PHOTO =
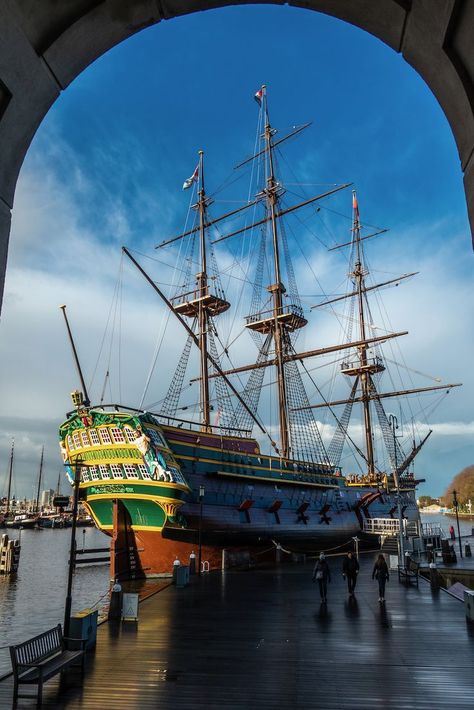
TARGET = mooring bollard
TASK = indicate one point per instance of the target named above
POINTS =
(192, 563)
(115, 606)
(176, 564)
(434, 577)
(278, 553)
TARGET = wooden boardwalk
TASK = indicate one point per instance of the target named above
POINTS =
(261, 639)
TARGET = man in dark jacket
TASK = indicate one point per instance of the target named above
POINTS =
(350, 570)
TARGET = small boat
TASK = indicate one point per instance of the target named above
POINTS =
(84, 521)
(25, 520)
(55, 520)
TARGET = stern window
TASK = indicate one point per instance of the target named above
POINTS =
(116, 470)
(93, 472)
(77, 440)
(104, 471)
(94, 437)
(105, 436)
(130, 434)
(85, 438)
(130, 470)
(117, 435)
(144, 471)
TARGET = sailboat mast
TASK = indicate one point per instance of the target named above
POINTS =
(76, 358)
(10, 473)
(39, 481)
(203, 319)
(276, 289)
(359, 275)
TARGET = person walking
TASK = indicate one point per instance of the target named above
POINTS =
(322, 574)
(350, 570)
(380, 573)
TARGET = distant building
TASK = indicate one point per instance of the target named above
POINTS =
(433, 509)
(47, 498)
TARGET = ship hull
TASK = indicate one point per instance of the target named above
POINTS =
(159, 492)
(139, 551)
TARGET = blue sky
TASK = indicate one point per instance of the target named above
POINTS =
(106, 169)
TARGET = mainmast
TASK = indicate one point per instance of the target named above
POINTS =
(280, 320)
(203, 320)
(276, 289)
(365, 368)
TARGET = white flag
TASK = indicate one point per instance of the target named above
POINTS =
(187, 183)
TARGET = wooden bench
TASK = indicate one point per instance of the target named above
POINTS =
(408, 573)
(41, 658)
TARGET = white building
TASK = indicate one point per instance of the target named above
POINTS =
(47, 498)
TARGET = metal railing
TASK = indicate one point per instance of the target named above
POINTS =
(381, 526)
(432, 530)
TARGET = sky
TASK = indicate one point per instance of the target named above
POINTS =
(106, 168)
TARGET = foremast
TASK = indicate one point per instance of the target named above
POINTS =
(202, 304)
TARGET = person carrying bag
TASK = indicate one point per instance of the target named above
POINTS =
(322, 574)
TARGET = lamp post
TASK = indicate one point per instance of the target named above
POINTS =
(394, 426)
(456, 505)
(72, 549)
(201, 496)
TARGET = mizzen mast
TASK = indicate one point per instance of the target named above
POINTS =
(366, 367)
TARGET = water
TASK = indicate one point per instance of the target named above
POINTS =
(33, 600)
(445, 521)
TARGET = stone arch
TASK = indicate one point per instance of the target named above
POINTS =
(46, 45)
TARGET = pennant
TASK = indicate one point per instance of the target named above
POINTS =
(187, 183)
(355, 205)
(258, 96)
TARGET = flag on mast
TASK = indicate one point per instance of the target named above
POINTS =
(187, 183)
(355, 206)
(258, 96)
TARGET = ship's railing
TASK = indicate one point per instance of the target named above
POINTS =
(432, 530)
(371, 362)
(290, 309)
(382, 526)
(190, 295)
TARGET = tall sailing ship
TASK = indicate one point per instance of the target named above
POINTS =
(160, 484)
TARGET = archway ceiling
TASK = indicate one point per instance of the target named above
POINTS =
(46, 44)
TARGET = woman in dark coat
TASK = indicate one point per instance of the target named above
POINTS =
(380, 573)
(322, 574)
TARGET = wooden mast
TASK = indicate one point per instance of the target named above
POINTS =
(359, 274)
(10, 474)
(39, 481)
(203, 314)
(276, 289)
